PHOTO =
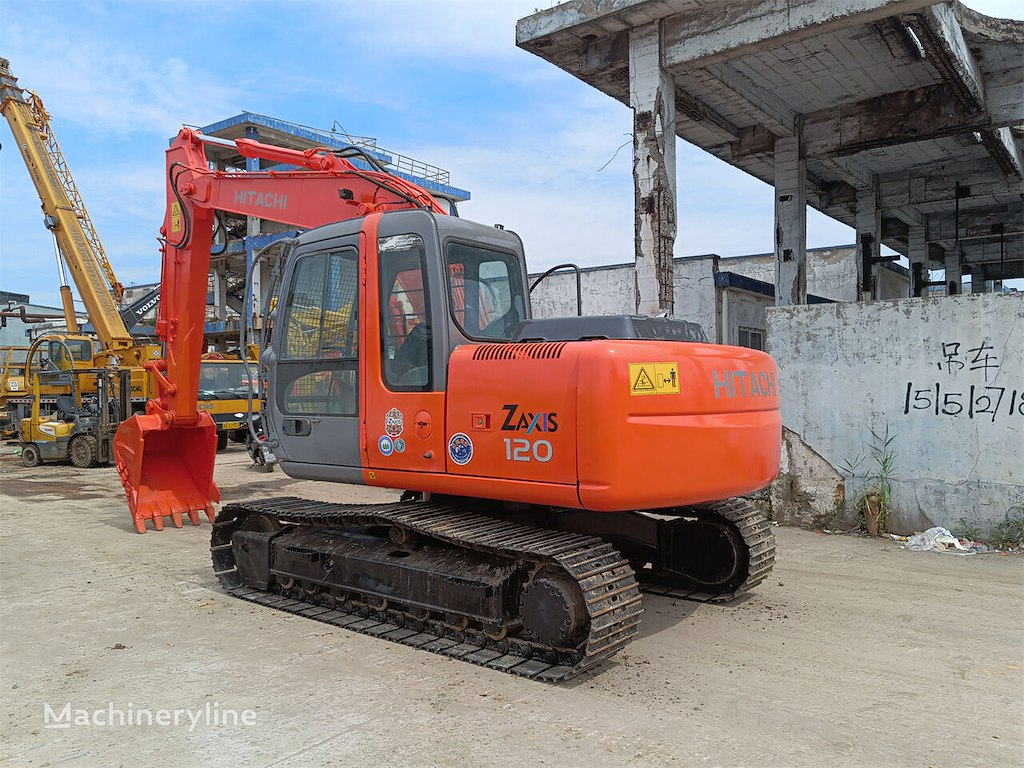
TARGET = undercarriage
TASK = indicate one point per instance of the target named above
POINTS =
(547, 601)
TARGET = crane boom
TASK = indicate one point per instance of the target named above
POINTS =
(64, 211)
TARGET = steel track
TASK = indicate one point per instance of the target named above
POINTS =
(611, 593)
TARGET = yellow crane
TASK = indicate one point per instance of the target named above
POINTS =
(79, 246)
(65, 215)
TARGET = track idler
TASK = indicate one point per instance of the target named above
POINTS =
(167, 469)
(711, 551)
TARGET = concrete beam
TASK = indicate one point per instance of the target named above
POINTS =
(699, 112)
(896, 118)
(790, 223)
(570, 14)
(754, 140)
(939, 32)
(776, 116)
(974, 223)
(603, 56)
(1004, 151)
(926, 188)
(724, 30)
(652, 97)
(770, 110)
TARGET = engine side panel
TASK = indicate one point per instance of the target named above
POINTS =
(512, 412)
(664, 424)
(634, 424)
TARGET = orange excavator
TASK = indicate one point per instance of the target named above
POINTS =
(554, 468)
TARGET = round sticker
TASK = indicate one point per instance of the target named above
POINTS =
(460, 448)
(394, 422)
(400, 445)
(385, 445)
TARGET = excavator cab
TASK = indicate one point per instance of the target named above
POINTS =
(342, 349)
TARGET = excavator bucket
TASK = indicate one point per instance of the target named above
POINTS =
(167, 471)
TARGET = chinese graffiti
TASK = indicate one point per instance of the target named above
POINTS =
(956, 397)
(978, 358)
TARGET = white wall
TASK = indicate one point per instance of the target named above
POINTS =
(848, 368)
(612, 291)
(606, 291)
(831, 273)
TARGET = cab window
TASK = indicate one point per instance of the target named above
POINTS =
(318, 364)
(65, 354)
(405, 319)
(485, 291)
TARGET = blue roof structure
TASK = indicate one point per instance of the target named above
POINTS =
(276, 131)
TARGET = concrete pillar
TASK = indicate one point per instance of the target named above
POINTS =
(954, 276)
(869, 238)
(652, 97)
(917, 253)
(220, 291)
(790, 221)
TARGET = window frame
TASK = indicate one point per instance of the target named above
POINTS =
(750, 331)
(383, 297)
(307, 366)
(514, 272)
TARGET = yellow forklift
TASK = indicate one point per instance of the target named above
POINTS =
(81, 426)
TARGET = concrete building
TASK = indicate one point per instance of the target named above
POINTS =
(901, 118)
(728, 297)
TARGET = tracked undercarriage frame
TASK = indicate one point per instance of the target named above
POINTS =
(533, 601)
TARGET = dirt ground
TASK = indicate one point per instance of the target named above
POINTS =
(855, 653)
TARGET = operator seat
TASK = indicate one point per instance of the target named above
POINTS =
(67, 408)
(410, 363)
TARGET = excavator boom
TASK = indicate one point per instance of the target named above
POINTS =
(166, 456)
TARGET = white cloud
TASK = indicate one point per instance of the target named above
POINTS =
(108, 87)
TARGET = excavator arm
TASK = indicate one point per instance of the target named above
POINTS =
(165, 457)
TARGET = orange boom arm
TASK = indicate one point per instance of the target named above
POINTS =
(166, 457)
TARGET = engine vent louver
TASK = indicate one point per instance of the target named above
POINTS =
(544, 351)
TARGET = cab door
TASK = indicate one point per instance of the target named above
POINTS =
(314, 363)
(405, 359)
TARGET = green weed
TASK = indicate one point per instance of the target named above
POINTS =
(872, 491)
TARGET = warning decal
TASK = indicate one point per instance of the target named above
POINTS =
(653, 379)
(175, 217)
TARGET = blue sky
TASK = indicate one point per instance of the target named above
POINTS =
(441, 81)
